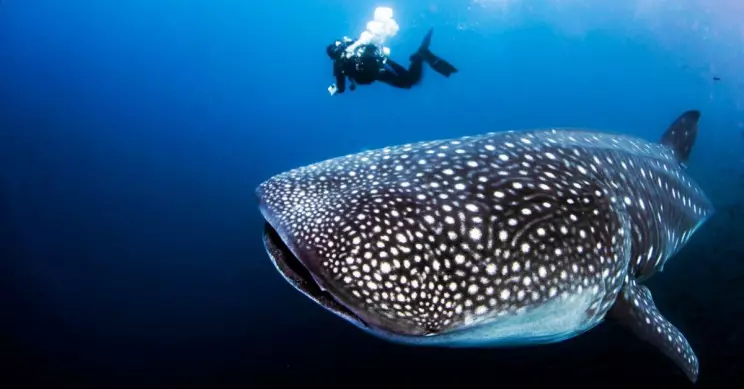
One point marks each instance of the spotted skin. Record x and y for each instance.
(636, 305)
(500, 239)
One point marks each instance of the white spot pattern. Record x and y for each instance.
(435, 236)
(638, 310)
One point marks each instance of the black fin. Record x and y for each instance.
(426, 42)
(635, 309)
(681, 135)
(439, 65)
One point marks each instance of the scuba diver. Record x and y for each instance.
(365, 63)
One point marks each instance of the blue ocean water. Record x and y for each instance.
(133, 134)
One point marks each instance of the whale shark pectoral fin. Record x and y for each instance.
(635, 308)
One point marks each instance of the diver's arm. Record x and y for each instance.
(340, 83)
(340, 77)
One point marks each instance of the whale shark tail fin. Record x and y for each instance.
(681, 135)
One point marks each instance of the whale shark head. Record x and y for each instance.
(509, 238)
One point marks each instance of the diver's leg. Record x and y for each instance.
(394, 79)
(396, 75)
(415, 70)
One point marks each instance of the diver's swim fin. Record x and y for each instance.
(423, 51)
(426, 42)
(439, 65)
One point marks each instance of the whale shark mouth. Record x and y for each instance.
(295, 272)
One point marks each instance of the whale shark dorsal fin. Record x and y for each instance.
(681, 135)
(635, 309)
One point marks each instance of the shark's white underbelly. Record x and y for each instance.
(557, 320)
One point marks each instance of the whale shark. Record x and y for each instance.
(504, 239)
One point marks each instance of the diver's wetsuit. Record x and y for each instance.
(369, 68)
(368, 64)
